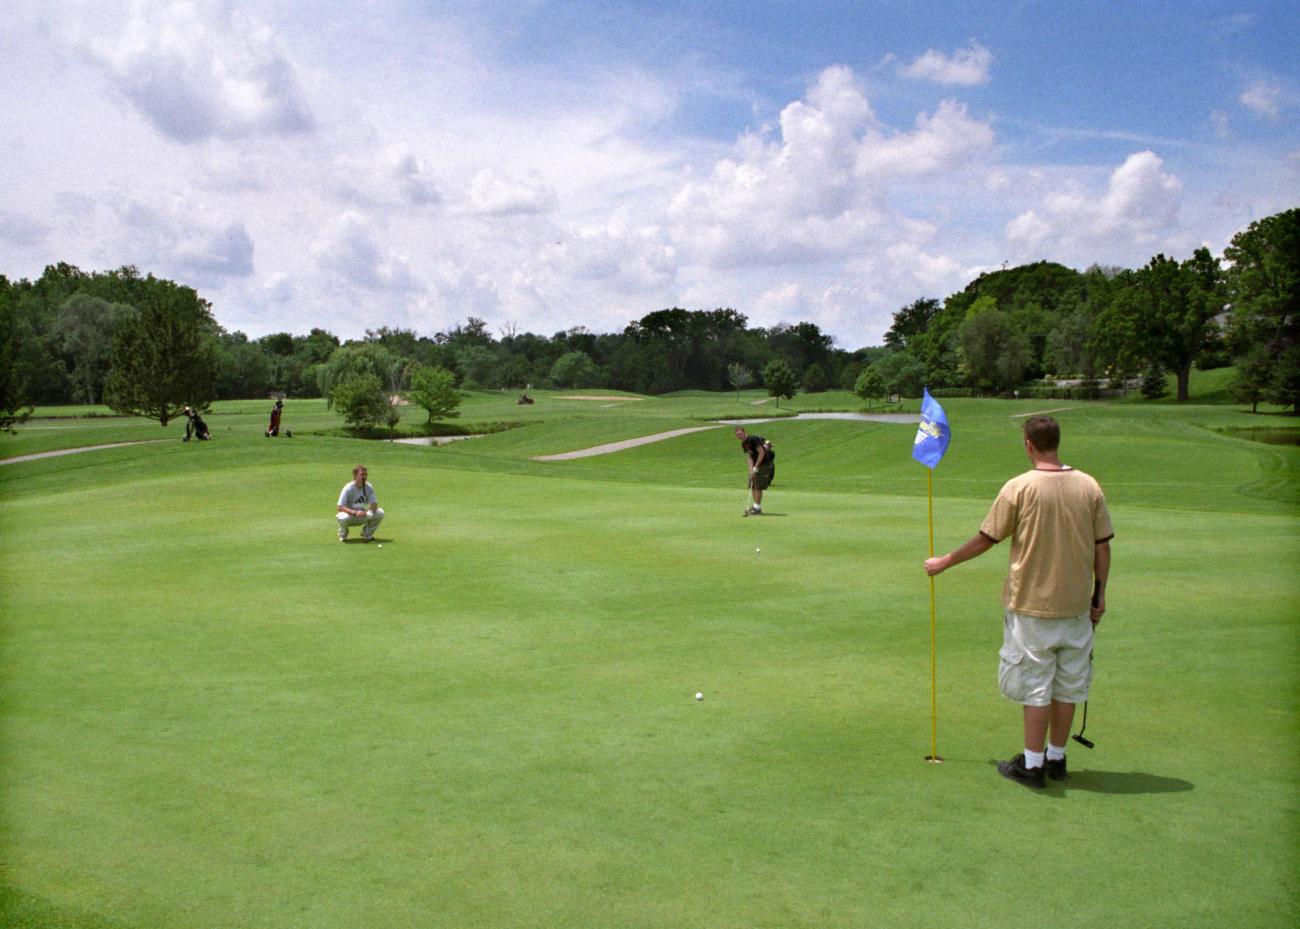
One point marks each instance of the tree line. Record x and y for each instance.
(148, 345)
(1039, 326)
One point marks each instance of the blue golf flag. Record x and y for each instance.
(932, 434)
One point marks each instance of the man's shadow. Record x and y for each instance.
(1124, 782)
(375, 540)
(1119, 782)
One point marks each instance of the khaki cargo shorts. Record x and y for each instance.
(1045, 659)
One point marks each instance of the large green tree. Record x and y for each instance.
(15, 399)
(84, 325)
(164, 355)
(1163, 315)
(573, 369)
(910, 323)
(994, 350)
(870, 385)
(357, 358)
(434, 389)
(1263, 286)
(779, 380)
(363, 402)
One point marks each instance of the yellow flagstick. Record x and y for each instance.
(933, 757)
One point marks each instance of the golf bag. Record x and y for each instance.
(273, 430)
(195, 426)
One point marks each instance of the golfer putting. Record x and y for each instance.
(358, 506)
(1053, 597)
(762, 468)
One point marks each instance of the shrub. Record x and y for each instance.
(363, 403)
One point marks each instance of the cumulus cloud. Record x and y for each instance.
(412, 177)
(1141, 200)
(182, 240)
(941, 140)
(458, 292)
(350, 248)
(817, 192)
(966, 67)
(395, 176)
(202, 70)
(492, 194)
(628, 260)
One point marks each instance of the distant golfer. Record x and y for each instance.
(1054, 595)
(273, 429)
(358, 506)
(195, 426)
(762, 467)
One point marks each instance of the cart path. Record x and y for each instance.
(18, 459)
(610, 447)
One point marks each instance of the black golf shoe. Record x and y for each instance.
(1015, 770)
(1055, 769)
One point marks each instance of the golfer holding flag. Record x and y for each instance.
(1054, 595)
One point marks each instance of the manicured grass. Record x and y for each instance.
(213, 714)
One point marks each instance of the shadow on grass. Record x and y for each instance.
(360, 541)
(1115, 782)
(1125, 782)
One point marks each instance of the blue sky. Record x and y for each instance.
(544, 165)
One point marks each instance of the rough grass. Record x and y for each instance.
(212, 714)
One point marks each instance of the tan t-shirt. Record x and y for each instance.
(1055, 520)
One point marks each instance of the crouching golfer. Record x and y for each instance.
(762, 467)
(1054, 595)
(358, 506)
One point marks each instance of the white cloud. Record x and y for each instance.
(200, 70)
(1264, 98)
(491, 194)
(818, 192)
(1141, 201)
(185, 240)
(350, 249)
(412, 177)
(966, 67)
(942, 140)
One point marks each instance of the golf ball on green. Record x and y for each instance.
(699, 696)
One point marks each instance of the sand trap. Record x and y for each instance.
(438, 440)
(75, 451)
(611, 447)
(592, 397)
(1059, 409)
(851, 417)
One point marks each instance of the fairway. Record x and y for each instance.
(212, 714)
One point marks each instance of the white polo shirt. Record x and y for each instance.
(357, 498)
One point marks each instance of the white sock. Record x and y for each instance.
(1054, 753)
(1033, 759)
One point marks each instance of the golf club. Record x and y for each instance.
(1078, 736)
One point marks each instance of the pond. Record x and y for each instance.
(1272, 436)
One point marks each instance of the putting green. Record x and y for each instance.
(213, 714)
